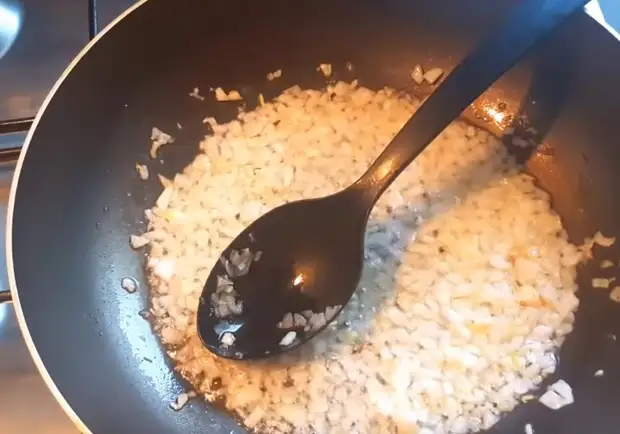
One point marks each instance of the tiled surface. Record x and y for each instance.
(26, 406)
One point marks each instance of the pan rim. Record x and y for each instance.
(19, 313)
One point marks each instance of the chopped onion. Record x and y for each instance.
(606, 264)
(230, 270)
(223, 299)
(586, 248)
(288, 339)
(164, 269)
(224, 304)
(228, 339)
(138, 241)
(558, 395)
(308, 319)
(233, 95)
(143, 171)
(615, 295)
(601, 282)
(317, 321)
(165, 182)
(417, 74)
(499, 262)
(224, 285)
(275, 74)
(244, 261)
(551, 400)
(221, 95)
(163, 200)
(563, 389)
(433, 75)
(159, 138)
(238, 263)
(180, 402)
(287, 321)
(599, 373)
(254, 417)
(173, 215)
(236, 307)
(129, 284)
(299, 320)
(326, 69)
(196, 94)
(527, 398)
(602, 240)
(529, 429)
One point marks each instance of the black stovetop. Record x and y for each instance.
(53, 33)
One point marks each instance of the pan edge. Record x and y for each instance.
(23, 326)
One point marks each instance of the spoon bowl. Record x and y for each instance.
(306, 259)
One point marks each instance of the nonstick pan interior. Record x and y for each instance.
(78, 198)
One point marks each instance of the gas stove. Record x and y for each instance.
(53, 32)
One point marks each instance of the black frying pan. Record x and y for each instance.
(76, 198)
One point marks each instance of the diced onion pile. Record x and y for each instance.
(468, 288)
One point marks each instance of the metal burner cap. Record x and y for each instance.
(11, 18)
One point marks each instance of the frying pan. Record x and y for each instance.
(76, 197)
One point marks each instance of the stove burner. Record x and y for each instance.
(11, 17)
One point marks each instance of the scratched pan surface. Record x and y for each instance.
(78, 198)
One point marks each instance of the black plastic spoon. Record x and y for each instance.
(286, 276)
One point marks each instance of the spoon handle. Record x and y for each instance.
(495, 54)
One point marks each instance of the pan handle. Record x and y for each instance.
(5, 296)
